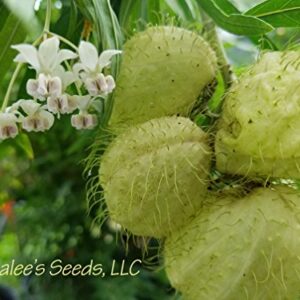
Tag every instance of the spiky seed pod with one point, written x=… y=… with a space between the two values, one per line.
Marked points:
x=239 y=249
x=155 y=175
x=277 y=60
x=258 y=134
x=164 y=70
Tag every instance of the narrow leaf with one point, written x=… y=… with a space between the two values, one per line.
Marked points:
x=227 y=7
x=234 y=23
x=23 y=141
x=126 y=9
x=11 y=33
x=182 y=9
x=279 y=13
x=109 y=28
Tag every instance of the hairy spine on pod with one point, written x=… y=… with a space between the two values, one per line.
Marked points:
x=238 y=249
x=258 y=133
x=164 y=70
x=155 y=175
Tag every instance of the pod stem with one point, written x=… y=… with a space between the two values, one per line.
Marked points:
x=210 y=31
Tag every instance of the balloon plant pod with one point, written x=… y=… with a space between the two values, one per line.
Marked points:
x=258 y=133
x=164 y=70
x=239 y=248
x=155 y=175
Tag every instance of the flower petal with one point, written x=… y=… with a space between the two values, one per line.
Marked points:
x=28 y=54
x=106 y=56
x=110 y=82
x=47 y=118
x=88 y=55
x=7 y=119
x=67 y=79
x=31 y=88
x=48 y=54
x=65 y=55
x=84 y=121
x=8 y=131
x=30 y=107
x=92 y=87
x=42 y=88
x=54 y=86
x=83 y=102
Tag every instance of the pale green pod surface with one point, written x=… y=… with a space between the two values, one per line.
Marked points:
x=258 y=133
x=277 y=60
x=239 y=249
x=155 y=175
x=164 y=70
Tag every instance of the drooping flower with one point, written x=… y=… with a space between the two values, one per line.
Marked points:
x=100 y=85
x=37 y=118
x=47 y=58
x=90 y=68
x=84 y=120
x=64 y=104
x=8 y=125
x=43 y=87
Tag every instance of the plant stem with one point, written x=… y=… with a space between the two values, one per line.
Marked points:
x=212 y=36
x=10 y=86
x=48 y=16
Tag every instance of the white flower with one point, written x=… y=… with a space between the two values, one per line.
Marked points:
x=37 y=118
x=100 y=85
x=8 y=125
x=45 y=86
x=50 y=86
x=64 y=104
x=90 y=68
x=47 y=58
x=84 y=121
x=90 y=62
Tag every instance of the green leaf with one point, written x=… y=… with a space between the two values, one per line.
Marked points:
x=24 y=11
x=136 y=15
x=264 y=43
x=109 y=29
x=234 y=23
x=227 y=7
x=279 y=13
x=12 y=32
x=126 y=9
x=23 y=141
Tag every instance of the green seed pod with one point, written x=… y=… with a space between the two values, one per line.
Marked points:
x=164 y=70
x=288 y=60
x=258 y=132
x=154 y=175
x=239 y=249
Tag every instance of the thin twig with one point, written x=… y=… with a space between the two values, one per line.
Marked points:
x=213 y=38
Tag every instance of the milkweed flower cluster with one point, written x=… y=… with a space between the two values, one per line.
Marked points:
x=49 y=93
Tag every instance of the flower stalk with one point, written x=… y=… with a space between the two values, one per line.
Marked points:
x=48 y=16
